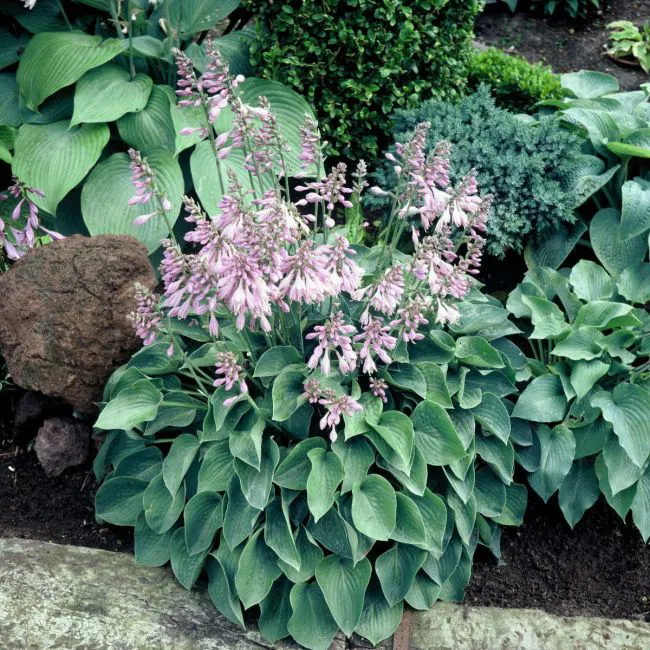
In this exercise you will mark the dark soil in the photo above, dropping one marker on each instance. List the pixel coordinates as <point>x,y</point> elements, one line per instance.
<point>57,510</point>
<point>564,44</point>
<point>600,568</point>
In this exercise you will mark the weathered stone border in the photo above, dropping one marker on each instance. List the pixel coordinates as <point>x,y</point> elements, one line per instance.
<point>69,598</point>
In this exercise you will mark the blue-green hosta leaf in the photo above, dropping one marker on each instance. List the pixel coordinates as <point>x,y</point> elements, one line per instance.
<point>203,517</point>
<point>144,464</point>
<point>635,213</point>
<point>493,416</point>
<point>52,61</point>
<point>579,491</point>
<point>641,506</point>
<point>582,344</point>
<point>275,611</point>
<point>542,401</point>
<point>605,315</point>
<point>435,434</point>
<point>344,585</point>
<point>588,84</point>
<point>106,193</point>
<point>258,568</point>
<point>324,478</point>
<point>590,281</point>
<point>222,567</point>
<point>415,481</point>
<point>310,555</point>
<point>434,515</point>
<point>602,127</point>
<point>234,47</point>
<point>634,283</point>
<point>396,569</point>
<point>153,125</point>
<point>195,16</point>
<point>292,473</point>
<point>614,252</point>
<point>56,157</point>
<point>554,248</point>
<point>108,92</point>
<point>278,534</point>
<point>635,144</point>
<point>378,620</point>
<point>498,455</point>
<point>275,360</point>
<point>394,438</point>
<point>150,548</point>
<point>621,471</point>
<point>357,456</point>
<point>558,451</point>
<point>423,592</point>
<point>374,507</point>
<point>256,483</point>
<point>11,46</point>
<point>490,493</point>
<point>162,508</point>
<point>436,384</point>
<point>516,501</point>
<point>476,351</point>
<point>217,468</point>
<point>547,318</point>
<point>585,374</point>
<point>591,438</point>
<point>131,408</point>
<point>119,500</point>
<point>620,502</point>
<point>288,394</point>
<point>627,409</point>
<point>409,528</point>
<point>590,176</point>
<point>187,568</point>
<point>181,455</point>
<point>311,623</point>
<point>407,376</point>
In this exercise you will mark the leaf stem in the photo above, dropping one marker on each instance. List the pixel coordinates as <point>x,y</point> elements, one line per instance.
<point>65,16</point>
<point>130,23</point>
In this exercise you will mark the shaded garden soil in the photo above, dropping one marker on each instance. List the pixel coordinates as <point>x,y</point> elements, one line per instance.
<point>601,568</point>
<point>564,44</point>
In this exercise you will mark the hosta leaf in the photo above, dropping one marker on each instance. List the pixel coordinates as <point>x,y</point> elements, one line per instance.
<point>634,283</point>
<point>547,318</point>
<point>409,527</point>
<point>288,394</point>
<point>203,517</point>
<point>441,566</point>
<point>119,500</point>
<point>641,506</point>
<point>558,450</point>
<point>579,491</point>
<point>181,455</point>
<point>144,464</point>
<point>151,548</point>
<point>620,502</point>
<point>542,401</point>
<point>374,507</point>
<point>325,476</point>
<point>585,374</point>
<point>395,439</point>
<point>554,247</point>
<point>275,360</point>
<point>106,93</point>
<point>221,568</point>
<point>621,471</point>
<point>614,252</point>
<point>310,555</point>
<point>378,620</point>
<point>131,408</point>
<point>278,534</point>
<point>258,568</point>
<point>407,377</point>
<point>195,16</point>
<point>256,484</point>
<point>434,515</point>
<point>11,46</point>
<point>153,126</point>
<point>187,568</point>
<point>635,213</point>
<point>55,158</point>
<point>464,514</point>
<point>293,471</point>
<point>344,584</point>
<point>490,493</point>
<point>437,390</point>
<point>435,434</point>
<point>591,438</point>
<point>217,468</point>
<point>275,611</point>
<point>605,315</point>
<point>162,508</point>
<point>311,623</point>
<point>589,85</point>
<point>516,501</point>
<point>106,193</point>
<point>423,592</point>
<point>498,455</point>
<point>396,569</point>
<point>627,409</point>
<point>583,343</point>
<point>240,517</point>
<point>476,351</point>
<point>357,456</point>
<point>590,281</point>
<point>52,61</point>
<point>493,416</point>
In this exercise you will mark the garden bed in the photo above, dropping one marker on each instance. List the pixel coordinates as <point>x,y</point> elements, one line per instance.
<point>564,44</point>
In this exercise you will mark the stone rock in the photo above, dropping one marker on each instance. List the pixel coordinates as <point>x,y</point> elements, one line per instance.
<point>62,443</point>
<point>63,315</point>
<point>29,414</point>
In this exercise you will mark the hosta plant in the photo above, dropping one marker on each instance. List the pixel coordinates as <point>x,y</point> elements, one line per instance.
<point>320,430</point>
<point>630,42</point>
<point>97,77</point>
<point>589,395</point>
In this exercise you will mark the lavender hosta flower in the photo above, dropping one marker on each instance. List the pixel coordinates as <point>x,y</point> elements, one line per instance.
<point>330,191</point>
<point>334,335</point>
<point>389,290</point>
<point>411,318</point>
<point>312,390</point>
<point>345,272</point>
<point>146,318</point>
<point>310,146</point>
<point>336,407</point>
<point>376,342</point>
<point>142,179</point>
<point>378,387</point>
<point>305,275</point>
<point>229,372</point>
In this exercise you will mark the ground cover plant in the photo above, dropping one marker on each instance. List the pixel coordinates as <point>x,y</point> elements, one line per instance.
<point>94,79</point>
<point>359,61</point>
<point>322,429</point>
<point>515,84</point>
<point>532,169</point>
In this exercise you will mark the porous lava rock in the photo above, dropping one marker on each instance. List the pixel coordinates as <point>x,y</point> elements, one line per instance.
<point>62,443</point>
<point>29,413</point>
<point>64,311</point>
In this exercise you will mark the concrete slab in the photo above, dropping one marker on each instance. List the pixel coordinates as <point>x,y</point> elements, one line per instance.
<point>69,598</point>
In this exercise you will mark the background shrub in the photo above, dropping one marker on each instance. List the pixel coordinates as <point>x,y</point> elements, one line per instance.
<point>529,167</point>
<point>515,83</point>
<point>361,60</point>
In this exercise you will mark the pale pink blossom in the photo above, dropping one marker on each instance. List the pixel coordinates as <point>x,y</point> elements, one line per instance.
<point>333,335</point>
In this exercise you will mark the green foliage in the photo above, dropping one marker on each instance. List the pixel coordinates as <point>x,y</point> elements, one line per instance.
<point>589,399</point>
<point>358,61</point>
<point>75,87</point>
<point>515,84</point>
<point>574,8</point>
<point>630,42</point>
<point>320,536</point>
<point>528,167</point>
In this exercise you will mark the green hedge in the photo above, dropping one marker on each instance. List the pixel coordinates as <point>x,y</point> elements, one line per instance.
<point>361,60</point>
